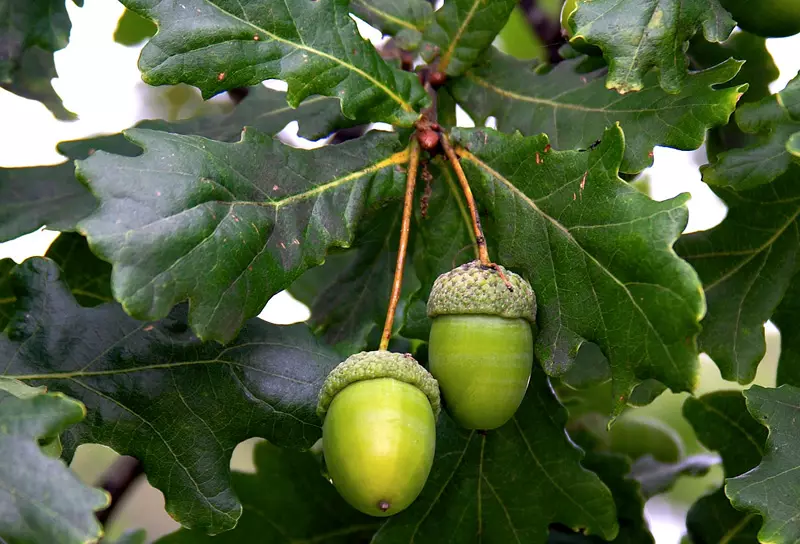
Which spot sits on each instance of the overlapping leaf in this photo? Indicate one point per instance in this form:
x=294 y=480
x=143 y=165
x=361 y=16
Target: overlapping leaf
x=32 y=32
x=722 y=423
x=614 y=471
x=787 y=317
x=155 y=392
x=637 y=35
x=50 y=195
x=596 y=251
x=506 y=485
x=573 y=108
x=88 y=278
x=7 y=298
x=287 y=501
x=776 y=120
x=217 y=45
x=772 y=488
x=462 y=31
x=656 y=477
x=41 y=500
x=746 y=264
x=252 y=215
x=406 y=20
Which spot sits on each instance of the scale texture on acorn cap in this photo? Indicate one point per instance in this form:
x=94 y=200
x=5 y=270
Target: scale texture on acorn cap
x=473 y=288
x=370 y=365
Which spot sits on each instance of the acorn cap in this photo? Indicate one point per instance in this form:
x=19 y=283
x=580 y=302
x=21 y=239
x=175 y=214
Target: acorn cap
x=474 y=288
x=370 y=365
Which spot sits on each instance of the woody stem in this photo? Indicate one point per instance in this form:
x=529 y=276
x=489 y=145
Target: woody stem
x=405 y=229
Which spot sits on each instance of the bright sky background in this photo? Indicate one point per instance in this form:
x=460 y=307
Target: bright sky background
x=99 y=81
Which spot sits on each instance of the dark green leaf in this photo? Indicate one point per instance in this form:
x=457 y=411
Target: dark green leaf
x=287 y=501
x=775 y=120
x=758 y=71
x=573 y=108
x=253 y=215
x=406 y=20
x=88 y=278
x=613 y=470
x=722 y=423
x=637 y=35
x=746 y=264
x=787 y=317
x=32 y=31
x=133 y=29
x=596 y=251
x=7 y=298
x=41 y=499
x=656 y=477
x=773 y=488
x=41 y=195
x=217 y=45
x=155 y=392
x=462 y=31
x=506 y=485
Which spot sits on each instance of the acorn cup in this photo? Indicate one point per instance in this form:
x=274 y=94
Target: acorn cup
x=379 y=432
x=481 y=343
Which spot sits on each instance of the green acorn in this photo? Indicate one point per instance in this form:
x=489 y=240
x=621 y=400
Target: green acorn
x=481 y=342
x=379 y=433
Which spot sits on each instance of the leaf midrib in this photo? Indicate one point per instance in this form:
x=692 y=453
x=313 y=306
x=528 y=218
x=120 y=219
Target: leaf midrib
x=303 y=47
x=389 y=17
x=445 y=62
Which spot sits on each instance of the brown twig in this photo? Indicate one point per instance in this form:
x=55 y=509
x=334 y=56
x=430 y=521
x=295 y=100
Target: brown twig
x=117 y=479
x=405 y=229
x=480 y=239
x=546 y=28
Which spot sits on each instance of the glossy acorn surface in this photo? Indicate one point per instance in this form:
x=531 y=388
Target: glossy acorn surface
x=483 y=364
x=767 y=18
x=379 y=430
x=481 y=343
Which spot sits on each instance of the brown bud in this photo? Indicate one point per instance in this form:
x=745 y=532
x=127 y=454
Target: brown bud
x=437 y=79
x=428 y=139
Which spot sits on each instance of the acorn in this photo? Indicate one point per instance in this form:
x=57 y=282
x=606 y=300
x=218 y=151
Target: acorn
x=481 y=342
x=379 y=432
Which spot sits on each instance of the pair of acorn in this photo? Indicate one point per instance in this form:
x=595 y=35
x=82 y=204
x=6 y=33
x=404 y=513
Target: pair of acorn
x=380 y=408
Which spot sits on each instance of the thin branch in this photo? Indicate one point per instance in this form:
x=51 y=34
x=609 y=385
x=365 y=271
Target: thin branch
x=480 y=239
x=405 y=229
x=546 y=28
x=117 y=480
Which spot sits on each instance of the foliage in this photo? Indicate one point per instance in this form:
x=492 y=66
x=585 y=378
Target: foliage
x=138 y=331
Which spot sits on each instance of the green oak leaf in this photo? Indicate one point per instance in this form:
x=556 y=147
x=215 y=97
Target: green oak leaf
x=50 y=195
x=614 y=471
x=253 y=214
x=406 y=20
x=7 y=298
x=442 y=239
x=597 y=253
x=775 y=120
x=786 y=317
x=41 y=195
x=287 y=501
x=573 y=108
x=637 y=35
x=462 y=31
x=746 y=264
x=771 y=489
x=509 y=484
x=40 y=498
x=133 y=29
x=722 y=423
x=32 y=32
x=88 y=278
x=155 y=392
x=793 y=145
x=217 y=45
x=131 y=537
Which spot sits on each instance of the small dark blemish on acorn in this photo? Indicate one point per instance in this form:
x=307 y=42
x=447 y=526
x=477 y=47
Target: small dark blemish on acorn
x=384 y=506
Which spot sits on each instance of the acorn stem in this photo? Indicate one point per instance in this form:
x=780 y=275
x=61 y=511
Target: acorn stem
x=405 y=229
x=480 y=239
